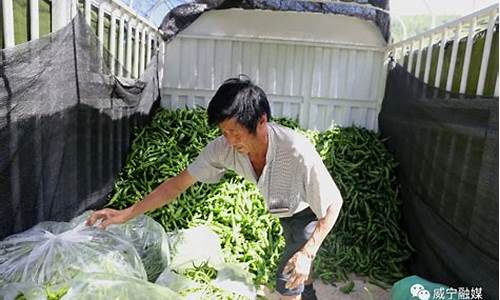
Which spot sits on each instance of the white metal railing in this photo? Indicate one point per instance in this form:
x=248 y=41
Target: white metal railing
x=465 y=26
x=145 y=33
x=62 y=12
x=8 y=23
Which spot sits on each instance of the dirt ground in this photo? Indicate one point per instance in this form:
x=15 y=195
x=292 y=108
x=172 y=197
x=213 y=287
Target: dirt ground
x=363 y=290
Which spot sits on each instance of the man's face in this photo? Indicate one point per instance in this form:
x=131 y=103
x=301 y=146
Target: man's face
x=238 y=136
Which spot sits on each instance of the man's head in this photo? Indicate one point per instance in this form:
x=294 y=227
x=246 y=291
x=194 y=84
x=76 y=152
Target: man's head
x=240 y=99
x=240 y=109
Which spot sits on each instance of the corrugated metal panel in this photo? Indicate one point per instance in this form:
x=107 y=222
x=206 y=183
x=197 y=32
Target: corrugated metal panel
x=318 y=84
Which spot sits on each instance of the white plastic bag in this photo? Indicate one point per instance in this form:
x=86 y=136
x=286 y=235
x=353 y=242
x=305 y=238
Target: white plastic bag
x=101 y=286
x=147 y=236
x=194 y=246
x=53 y=252
x=235 y=279
x=176 y=282
x=232 y=281
x=29 y=291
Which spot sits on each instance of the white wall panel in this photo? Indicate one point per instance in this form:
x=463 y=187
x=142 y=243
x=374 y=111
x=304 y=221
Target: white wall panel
x=277 y=108
x=222 y=62
x=318 y=84
x=166 y=100
x=334 y=78
x=206 y=66
x=288 y=79
x=349 y=87
x=236 y=58
x=291 y=110
x=376 y=72
x=372 y=117
x=251 y=53
x=326 y=73
x=172 y=65
x=345 y=112
x=264 y=62
x=358 y=116
x=281 y=69
x=342 y=73
x=317 y=73
x=364 y=70
x=200 y=101
x=339 y=114
x=189 y=63
x=271 y=72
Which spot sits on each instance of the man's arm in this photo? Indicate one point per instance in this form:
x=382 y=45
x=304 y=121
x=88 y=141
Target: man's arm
x=323 y=227
x=163 y=194
x=300 y=264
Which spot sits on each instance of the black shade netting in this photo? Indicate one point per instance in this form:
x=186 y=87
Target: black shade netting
x=65 y=125
x=447 y=147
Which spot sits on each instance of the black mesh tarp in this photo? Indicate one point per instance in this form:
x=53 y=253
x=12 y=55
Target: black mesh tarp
x=183 y=15
x=447 y=147
x=64 y=125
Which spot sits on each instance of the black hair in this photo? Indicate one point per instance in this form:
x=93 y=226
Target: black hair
x=239 y=98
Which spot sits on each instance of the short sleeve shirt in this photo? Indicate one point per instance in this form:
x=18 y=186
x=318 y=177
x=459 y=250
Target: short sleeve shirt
x=293 y=178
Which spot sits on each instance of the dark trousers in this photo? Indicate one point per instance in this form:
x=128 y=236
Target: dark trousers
x=297 y=230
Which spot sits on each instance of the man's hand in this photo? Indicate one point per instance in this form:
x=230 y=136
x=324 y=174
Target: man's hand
x=109 y=216
x=298 y=267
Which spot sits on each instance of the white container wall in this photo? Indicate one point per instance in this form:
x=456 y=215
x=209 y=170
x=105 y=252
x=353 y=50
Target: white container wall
x=320 y=69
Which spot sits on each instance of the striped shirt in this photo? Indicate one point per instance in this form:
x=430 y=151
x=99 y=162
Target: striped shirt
x=293 y=178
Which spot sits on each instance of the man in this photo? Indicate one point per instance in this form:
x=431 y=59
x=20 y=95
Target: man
x=285 y=166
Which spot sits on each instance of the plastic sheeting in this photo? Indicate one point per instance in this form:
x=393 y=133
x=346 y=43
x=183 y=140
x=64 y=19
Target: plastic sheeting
x=54 y=252
x=30 y=291
x=193 y=247
x=146 y=235
x=101 y=286
x=183 y=15
x=447 y=147
x=176 y=282
x=231 y=279
x=64 y=125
